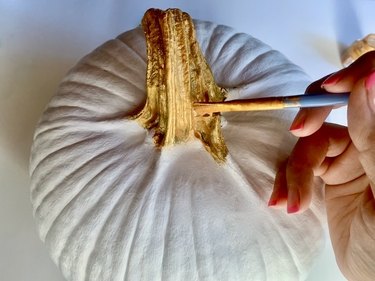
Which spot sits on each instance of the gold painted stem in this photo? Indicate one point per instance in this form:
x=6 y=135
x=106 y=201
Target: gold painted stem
x=177 y=77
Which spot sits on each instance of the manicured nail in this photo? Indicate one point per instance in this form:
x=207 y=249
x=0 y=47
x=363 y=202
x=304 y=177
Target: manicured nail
x=272 y=202
x=370 y=81
x=293 y=204
x=298 y=122
x=370 y=87
x=292 y=209
x=332 y=79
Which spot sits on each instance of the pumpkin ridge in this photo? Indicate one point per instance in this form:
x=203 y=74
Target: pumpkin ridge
x=111 y=73
x=212 y=44
x=140 y=210
x=91 y=90
x=111 y=214
x=55 y=155
x=116 y=47
x=87 y=214
x=43 y=201
x=114 y=88
x=123 y=223
x=223 y=49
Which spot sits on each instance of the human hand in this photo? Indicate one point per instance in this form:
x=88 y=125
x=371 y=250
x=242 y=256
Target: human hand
x=344 y=158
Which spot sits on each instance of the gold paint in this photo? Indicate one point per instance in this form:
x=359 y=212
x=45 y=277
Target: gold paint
x=242 y=105
x=177 y=77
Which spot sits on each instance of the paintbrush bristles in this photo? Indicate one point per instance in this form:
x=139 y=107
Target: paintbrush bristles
x=239 y=105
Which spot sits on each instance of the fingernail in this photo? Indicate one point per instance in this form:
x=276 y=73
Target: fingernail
x=293 y=204
x=370 y=81
x=370 y=87
x=272 y=202
x=292 y=209
x=298 y=122
x=332 y=79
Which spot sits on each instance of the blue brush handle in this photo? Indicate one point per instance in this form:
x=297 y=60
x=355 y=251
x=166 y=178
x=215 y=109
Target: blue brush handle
x=316 y=100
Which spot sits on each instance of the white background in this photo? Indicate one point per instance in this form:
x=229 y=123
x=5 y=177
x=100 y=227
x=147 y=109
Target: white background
x=41 y=39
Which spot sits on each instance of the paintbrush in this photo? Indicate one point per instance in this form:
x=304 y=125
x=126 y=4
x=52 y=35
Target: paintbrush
x=273 y=103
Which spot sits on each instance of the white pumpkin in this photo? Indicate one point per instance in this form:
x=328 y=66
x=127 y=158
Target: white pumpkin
x=110 y=206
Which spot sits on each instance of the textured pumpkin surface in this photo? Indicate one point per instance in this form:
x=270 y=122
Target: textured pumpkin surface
x=111 y=206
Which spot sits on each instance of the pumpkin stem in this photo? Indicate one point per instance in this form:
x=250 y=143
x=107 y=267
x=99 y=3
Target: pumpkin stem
x=177 y=77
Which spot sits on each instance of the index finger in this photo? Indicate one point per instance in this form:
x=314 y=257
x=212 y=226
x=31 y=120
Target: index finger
x=309 y=120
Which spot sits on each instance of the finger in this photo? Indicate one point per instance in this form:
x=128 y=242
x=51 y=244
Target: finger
x=361 y=123
x=361 y=113
x=307 y=155
x=344 y=168
x=306 y=161
x=345 y=79
x=279 y=194
x=309 y=120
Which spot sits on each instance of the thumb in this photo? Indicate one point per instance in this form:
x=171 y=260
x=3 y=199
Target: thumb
x=361 y=113
x=361 y=124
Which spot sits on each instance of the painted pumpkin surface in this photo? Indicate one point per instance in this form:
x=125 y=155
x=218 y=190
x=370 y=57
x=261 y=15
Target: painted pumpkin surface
x=109 y=205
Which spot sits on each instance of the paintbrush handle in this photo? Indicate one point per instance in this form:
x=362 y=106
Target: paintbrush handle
x=316 y=100
x=273 y=103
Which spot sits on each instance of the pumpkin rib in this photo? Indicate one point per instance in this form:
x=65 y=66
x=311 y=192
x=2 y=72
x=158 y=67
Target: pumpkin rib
x=195 y=234
x=252 y=183
x=94 y=89
x=135 y=40
x=118 y=46
x=98 y=88
x=213 y=47
x=88 y=213
x=138 y=219
x=168 y=223
x=124 y=217
x=245 y=149
x=85 y=129
x=102 y=67
x=289 y=250
x=111 y=213
x=113 y=74
x=54 y=154
x=241 y=178
x=99 y=114
x=141 y=58
x=266 y=275
x=60 y=186
x=226 y=47
x=115 y=87
x=237 y=66
x=76 y=229
x=70 y=109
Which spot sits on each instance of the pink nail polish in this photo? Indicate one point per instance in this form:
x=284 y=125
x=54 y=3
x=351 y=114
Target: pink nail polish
x=332 y=79
x=370 y=87
x=292 y=209
x=298 y=122
x=296 y=126
x=272 y=202
x=370 y=81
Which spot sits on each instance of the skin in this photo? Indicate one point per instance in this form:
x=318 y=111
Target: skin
x=344 y=159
